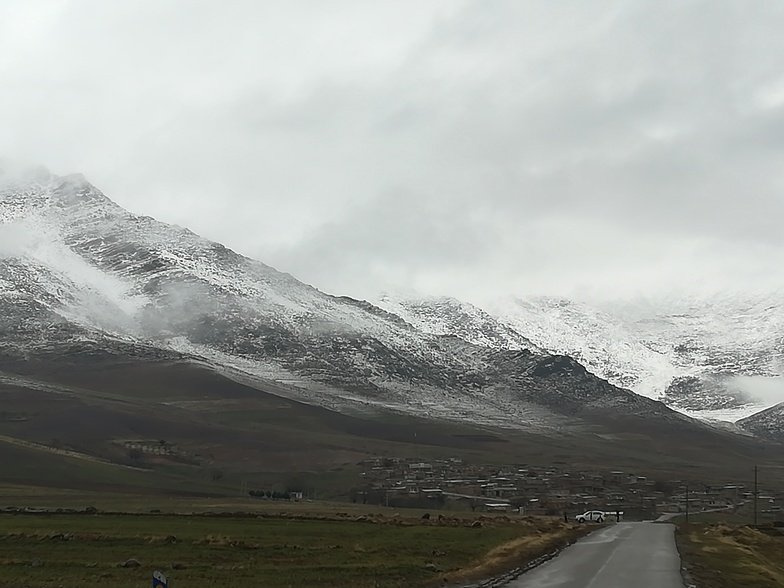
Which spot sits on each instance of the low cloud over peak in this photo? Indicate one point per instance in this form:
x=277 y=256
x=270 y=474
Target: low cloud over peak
x=467 y=148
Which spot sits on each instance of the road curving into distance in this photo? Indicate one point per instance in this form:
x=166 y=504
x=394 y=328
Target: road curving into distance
x=624 y=555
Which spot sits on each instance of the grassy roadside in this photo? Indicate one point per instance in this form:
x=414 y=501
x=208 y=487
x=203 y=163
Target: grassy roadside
x=515 y=553
x=721 y=555
x=284 y=550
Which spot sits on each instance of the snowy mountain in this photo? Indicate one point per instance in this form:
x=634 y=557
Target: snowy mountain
x=716 y=357
x=767 y=424
x=82 y=279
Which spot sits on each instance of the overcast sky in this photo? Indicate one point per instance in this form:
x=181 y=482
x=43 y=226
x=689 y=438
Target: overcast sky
x=473 y=148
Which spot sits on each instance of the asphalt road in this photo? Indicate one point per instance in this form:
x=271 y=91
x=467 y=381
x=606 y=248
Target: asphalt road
x=625 y=555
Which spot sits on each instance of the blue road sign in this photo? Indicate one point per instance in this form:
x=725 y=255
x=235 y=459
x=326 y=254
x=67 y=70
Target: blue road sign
x=159 y=580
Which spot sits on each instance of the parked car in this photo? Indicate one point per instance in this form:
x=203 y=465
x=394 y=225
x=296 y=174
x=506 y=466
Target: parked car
x=592 y=516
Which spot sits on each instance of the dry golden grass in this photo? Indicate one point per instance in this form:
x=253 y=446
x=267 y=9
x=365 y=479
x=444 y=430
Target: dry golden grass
x=539 y=539
x=733 y=556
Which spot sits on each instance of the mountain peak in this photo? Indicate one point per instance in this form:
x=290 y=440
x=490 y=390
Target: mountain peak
x=35 y=192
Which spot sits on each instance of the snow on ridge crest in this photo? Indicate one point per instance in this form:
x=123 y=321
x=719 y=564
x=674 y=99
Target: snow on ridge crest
x=446 y=315
x=128 y=262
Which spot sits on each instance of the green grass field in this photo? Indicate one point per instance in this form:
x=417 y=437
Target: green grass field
x=72 y=550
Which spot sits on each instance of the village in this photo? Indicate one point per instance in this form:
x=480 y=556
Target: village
x=554 y=490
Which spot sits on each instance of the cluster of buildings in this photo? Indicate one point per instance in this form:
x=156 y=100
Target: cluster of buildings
x=547 y=490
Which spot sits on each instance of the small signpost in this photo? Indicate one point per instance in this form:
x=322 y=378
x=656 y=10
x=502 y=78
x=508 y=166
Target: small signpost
x=159 y=580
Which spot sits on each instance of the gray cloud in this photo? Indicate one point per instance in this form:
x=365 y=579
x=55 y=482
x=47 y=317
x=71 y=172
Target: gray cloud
x=473 y=148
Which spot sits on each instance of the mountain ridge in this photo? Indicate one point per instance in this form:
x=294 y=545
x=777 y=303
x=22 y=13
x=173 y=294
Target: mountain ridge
x=82 y=278
x=95 y=268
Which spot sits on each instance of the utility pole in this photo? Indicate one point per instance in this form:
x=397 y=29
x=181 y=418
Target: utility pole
x=756 y=493
x=687 y=503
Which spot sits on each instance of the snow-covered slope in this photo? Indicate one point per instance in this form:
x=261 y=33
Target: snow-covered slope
x=80 y=277
x=767 y=424
x=712 y=357
x=605 y=344
x=448 y=316
x=707 y=355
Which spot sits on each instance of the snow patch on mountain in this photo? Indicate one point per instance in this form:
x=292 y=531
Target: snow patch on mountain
x=768 y=424
x=491 y=408
x=709 y=355
x=603 y=343
x=444 y=315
